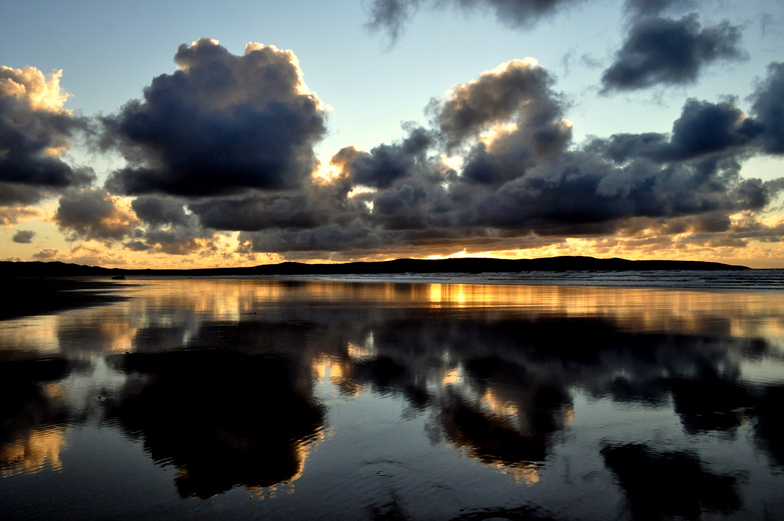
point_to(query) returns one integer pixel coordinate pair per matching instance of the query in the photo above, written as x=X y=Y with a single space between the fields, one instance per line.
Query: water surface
x=254 y=399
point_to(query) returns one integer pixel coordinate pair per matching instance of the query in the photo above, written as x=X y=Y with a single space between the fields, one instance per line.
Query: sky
x=196 y=134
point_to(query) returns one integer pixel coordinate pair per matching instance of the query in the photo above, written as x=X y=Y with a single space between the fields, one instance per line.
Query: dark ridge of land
x=472 y=265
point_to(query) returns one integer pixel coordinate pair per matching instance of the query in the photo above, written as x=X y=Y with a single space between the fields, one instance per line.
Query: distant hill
x=473 y=265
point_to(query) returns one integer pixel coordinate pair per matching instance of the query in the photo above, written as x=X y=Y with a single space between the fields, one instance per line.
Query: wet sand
x=26 y=296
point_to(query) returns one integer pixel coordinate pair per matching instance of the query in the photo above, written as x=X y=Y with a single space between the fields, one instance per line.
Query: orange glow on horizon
x=224 y=252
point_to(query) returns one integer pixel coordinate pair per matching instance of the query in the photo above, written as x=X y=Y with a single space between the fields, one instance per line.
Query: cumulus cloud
x=221 y=124
x=583 y=194
x=356 y=235
x=518 y=90
x=516 y=104
x=768 y=109
x=149 y=223
x=15 y=213
x=159 y=211
x=393 y=15
x=494 y=168
x=169 y=227
x=177 y=242
x=34 y=130
x=387 y=163
x=665 y=51
x=94 y=214
x=657 y=50
x=24 y=236
x=258 y=212
x=46 y=255
x=703 y=128
x=520 y=184
x=706 y=128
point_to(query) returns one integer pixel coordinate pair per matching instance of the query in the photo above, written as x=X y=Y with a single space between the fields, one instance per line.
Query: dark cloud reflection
x=222 y=418
x=232 y=399
x=660 y=485
x=514 y=381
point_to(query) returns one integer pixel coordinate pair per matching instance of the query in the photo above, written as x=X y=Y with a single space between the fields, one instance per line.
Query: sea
x=521 y=396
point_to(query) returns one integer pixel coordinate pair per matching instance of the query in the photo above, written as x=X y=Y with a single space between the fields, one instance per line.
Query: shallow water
x=253 y=399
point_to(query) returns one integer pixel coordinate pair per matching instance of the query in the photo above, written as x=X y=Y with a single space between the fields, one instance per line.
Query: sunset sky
x=195 y=134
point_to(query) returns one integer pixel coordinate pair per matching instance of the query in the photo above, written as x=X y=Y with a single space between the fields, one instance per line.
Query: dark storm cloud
x=664 y=51
x=495 y=168
x=515 y=152
x=257 y=213
x=168 y=227
x=519 y=90
x=702 y=129
x=583 y=194
x=219 y=125
x=387 y=163
x=159 y=210
x=34 y=130
x=393 y=15
x=93 y=214
x=176 y=241
x=24 y=236
x=579 y=194
x=137 y=246
x=319 y=204
x=705 y=128
x=356 y=235
x=518 y=93
x=14 y=194
x=519 y=185
x=621 y=148
x=768 y=109
x=483 y=167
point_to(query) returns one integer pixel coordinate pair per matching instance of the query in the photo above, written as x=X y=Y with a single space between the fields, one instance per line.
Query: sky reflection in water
x=395 y=401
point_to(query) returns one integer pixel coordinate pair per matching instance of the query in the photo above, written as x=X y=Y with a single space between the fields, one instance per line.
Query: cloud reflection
x=664 y=484
x=33 y=415
x=222 y=376
x=222 y=418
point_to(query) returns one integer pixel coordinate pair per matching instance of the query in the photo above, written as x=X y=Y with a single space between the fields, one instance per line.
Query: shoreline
x=50 y=295
x=392 y=267
x=37 y=296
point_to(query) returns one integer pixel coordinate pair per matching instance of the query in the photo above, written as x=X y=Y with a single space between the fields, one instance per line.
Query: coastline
x=53 y=287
